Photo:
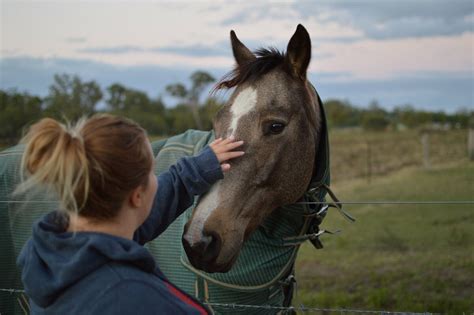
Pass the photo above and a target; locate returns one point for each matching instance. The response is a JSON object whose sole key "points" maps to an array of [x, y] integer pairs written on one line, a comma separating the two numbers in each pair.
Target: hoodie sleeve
{"points": [[136, 297], [189, 177]]}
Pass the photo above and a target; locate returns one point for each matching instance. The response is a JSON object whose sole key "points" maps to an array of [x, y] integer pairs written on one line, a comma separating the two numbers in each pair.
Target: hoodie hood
{"points": [[54, 259]]}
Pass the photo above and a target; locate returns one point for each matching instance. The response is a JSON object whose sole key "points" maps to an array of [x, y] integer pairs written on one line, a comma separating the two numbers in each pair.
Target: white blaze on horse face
{"points": [[207, 205], [243, 104]]}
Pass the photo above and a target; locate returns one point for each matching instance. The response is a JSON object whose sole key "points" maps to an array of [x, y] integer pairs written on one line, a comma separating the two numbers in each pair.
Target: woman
{"points": [[87, 257]]}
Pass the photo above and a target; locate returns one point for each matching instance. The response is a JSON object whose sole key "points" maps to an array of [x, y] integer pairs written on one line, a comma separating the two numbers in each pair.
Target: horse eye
{"points": [[276, 128]]}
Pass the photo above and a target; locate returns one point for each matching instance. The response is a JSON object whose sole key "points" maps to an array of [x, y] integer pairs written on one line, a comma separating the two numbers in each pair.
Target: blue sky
{"points": [[395, 52]]}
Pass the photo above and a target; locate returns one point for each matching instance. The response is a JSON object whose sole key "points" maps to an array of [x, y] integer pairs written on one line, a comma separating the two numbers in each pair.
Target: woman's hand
{"points": [[223, 150]]}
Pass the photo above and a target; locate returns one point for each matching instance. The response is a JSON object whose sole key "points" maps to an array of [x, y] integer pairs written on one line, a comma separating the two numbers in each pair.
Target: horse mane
{"points": [[267, 60]]}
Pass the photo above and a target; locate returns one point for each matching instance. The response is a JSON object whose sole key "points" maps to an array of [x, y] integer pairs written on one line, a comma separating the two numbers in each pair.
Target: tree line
{"points": [[70, 98], [342, 114]]}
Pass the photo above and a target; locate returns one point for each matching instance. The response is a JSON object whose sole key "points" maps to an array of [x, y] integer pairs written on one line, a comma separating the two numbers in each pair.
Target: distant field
{"points": [[397, 257], [358, 153]]}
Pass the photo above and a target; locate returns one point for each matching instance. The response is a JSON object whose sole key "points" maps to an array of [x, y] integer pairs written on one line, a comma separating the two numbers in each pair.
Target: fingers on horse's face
{"points": [[273, 111]]}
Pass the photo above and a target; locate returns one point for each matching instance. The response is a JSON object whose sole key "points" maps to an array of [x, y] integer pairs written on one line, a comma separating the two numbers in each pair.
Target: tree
{"points": [[117, 95], [199, 81], [17, 110], [375, 118], [208, 111], [341, 114], [180, 118], [136, 105], [406, 115], [70, 98]]}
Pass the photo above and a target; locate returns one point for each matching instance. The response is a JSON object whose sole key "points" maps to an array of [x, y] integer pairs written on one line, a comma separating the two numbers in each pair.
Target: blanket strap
{"points": [[338, 204], [316, 217], [201, 289]]}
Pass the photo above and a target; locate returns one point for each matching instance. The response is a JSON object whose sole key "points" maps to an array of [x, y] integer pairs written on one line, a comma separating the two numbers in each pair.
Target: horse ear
{"points": [[298, 52], [242, 54]]}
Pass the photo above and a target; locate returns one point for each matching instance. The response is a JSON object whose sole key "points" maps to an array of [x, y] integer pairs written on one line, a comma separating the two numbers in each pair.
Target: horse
{"points": [[240, 240], [238, 243], [273, 110]]}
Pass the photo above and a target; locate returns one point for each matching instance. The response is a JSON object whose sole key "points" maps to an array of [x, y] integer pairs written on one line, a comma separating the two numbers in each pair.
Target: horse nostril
{"points": [[202, 245], [213, 246], [206, 249]]}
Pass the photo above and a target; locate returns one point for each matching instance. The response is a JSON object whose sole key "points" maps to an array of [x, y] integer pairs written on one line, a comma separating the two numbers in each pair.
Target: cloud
{"points": [[78, 40], [277, 21], [111, 50], [395, 10], [374, 59], [396, 19], [374, 19], [198, 50], [8, 52], [363, 40]]}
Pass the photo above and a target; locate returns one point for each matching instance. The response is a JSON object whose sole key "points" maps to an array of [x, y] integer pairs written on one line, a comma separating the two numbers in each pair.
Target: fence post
{"points": [[369, 162], [470, 143], [425, 142]]}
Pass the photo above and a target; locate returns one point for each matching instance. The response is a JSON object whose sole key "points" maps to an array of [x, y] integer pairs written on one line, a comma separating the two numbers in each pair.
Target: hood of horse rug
{"points": [[265, 257]]}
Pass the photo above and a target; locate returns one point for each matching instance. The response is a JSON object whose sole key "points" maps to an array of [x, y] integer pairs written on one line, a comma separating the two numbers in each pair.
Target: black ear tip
{"points": [[301, 29], [232, 34]]}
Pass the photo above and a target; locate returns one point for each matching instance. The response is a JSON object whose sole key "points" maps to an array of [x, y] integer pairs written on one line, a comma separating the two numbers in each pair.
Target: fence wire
{"points": [[391, 202], [301, 308], [305, 309], [368, 202]]}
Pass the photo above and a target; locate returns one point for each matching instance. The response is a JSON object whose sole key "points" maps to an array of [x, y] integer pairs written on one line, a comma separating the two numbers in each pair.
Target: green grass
{"points": [[397, 257]]}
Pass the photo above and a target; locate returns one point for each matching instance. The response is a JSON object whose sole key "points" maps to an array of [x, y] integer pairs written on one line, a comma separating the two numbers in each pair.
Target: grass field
{"points": [[397, 257], [358, 153]]}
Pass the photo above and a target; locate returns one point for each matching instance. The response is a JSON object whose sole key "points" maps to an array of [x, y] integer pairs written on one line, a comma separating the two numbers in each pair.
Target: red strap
{"points": [[185, 299]]}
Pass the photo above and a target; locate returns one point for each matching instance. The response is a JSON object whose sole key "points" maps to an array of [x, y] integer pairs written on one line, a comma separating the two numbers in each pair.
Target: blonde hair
{"points": [[92, 165]]}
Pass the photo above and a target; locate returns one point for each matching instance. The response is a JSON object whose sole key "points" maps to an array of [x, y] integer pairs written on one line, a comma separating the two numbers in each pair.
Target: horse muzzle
{"points": [[203, 253]]}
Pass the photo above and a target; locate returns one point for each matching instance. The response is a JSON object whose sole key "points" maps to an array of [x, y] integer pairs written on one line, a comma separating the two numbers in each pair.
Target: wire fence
{"points": [[368, 202], [391, 202], [288, 310], [304, 309]]}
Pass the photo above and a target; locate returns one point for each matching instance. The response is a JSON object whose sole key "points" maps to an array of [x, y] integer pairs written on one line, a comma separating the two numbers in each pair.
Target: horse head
{"points": [[275, 110]]}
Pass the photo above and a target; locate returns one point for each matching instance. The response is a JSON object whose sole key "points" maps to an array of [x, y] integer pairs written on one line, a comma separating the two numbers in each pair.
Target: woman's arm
{"points": [[189, 177]]}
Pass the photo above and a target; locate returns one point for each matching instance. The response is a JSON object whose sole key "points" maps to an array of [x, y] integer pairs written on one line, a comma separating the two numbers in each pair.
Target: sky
{"points": [[393, 52]]}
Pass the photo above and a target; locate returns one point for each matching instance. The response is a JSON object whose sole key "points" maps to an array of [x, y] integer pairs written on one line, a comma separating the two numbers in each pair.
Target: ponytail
{"points": [[55, 158], [92, 166]]}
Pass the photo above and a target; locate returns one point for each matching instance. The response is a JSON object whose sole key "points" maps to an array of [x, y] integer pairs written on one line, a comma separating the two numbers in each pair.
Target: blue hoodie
{"points": [[97, 273]]}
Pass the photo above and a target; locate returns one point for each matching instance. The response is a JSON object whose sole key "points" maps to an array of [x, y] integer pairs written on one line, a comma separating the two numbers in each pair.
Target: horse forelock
{"points": [[267, 60]]}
